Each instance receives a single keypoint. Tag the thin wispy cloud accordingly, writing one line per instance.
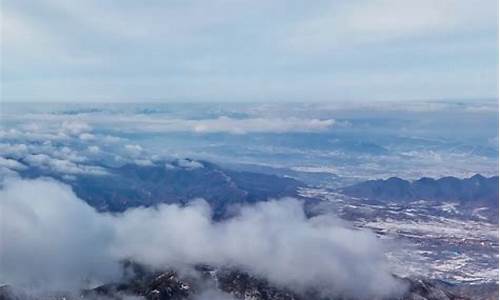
(243, 51)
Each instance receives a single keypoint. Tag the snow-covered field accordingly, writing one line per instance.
(434, 240)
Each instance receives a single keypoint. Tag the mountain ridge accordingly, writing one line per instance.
(477, 188)
(173, 182)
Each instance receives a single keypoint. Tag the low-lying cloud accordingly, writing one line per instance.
(52, 239)
(62, 165)
(63, 126)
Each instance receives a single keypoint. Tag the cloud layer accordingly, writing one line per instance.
(400, 139)
(51, 238)
(61, 128)
(242, 51)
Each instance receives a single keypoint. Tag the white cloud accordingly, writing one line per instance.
(75, 127)
(87, 136)
(381, 21)
(163, 123)
(94, 149)
(242, 126)
(65, 242)
(213, 294)
(13, 149)
(187, 164)
(62, 165)
(66, 153)
(11, 164)
(143, 162)
(134, 150)
(15, 134)
(272, 239)
(51, 239)
(112, 139)
(44, 127)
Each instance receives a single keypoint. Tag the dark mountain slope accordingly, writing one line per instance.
(141, 283)
(133, 185)
(476, 190)
(240, 285)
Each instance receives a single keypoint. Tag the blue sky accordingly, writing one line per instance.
(242, 50)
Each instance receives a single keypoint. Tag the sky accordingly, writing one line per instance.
(242, 50)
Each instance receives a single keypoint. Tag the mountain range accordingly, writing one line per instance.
(181, 181)
(478, 189)
(178, 181)
(217, 283)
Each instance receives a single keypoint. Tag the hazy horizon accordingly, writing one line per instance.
(338, 102)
